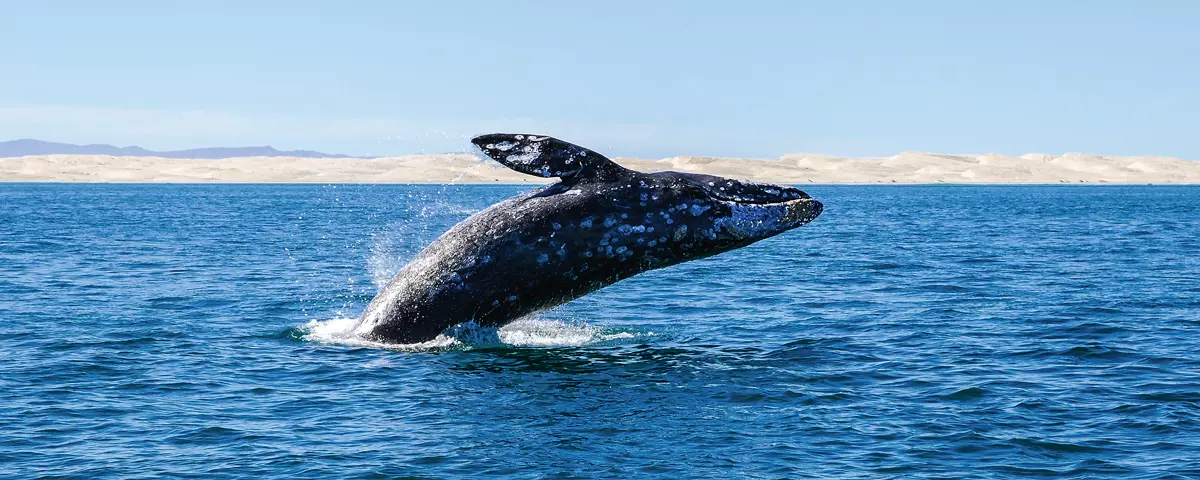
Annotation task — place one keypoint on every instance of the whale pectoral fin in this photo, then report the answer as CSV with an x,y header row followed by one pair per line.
x,y
543,156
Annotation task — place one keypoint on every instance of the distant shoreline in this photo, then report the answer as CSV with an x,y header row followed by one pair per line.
x,y
912,168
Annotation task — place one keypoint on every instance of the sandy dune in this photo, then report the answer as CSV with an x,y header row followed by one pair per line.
x,y
909,167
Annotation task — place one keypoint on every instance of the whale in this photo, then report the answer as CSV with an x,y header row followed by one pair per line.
x,y
598,224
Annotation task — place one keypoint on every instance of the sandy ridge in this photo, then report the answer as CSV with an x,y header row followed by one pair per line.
x,y
908,167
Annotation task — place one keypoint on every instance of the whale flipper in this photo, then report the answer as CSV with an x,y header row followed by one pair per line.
x,y
544,156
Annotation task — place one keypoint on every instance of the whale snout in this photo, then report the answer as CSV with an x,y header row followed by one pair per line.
x,y
802,211
758,210
783,206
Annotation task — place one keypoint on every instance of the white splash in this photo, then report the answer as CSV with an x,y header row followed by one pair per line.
x,y
540,332
340,331
398,242
385,260
526,332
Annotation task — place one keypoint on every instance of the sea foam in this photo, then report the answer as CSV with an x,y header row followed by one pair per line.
x,y
526,332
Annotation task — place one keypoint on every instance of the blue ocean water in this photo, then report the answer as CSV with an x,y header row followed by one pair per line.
x,y
192,331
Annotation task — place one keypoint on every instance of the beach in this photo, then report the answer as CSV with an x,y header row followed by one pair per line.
x,y
903,168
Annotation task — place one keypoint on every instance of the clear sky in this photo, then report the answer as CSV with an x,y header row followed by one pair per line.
x,y
638,78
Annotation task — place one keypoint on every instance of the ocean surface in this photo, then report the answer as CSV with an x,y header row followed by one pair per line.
x,y
198,331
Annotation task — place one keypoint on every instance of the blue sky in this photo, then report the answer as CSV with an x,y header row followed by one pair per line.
x,y
638,78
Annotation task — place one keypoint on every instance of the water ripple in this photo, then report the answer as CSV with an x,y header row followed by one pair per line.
x,y
196,331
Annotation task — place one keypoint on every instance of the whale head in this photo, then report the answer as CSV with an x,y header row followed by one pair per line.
x,y
722,214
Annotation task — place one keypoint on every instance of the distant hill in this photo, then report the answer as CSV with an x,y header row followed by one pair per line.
x,y
23,147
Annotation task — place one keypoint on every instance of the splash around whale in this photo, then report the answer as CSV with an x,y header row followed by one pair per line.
x,y
600,224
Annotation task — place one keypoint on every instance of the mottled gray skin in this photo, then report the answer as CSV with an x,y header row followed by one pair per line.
x,y
602,223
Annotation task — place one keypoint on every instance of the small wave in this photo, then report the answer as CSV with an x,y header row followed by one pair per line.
x,y
526,332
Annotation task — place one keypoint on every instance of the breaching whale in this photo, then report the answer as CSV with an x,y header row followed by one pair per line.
x,y
599,224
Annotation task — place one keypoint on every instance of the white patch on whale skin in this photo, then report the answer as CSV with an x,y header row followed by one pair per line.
x,y
528,154
501,146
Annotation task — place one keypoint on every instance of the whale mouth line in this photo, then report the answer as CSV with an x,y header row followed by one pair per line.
x,y
788,205
760,194
798,207
789,202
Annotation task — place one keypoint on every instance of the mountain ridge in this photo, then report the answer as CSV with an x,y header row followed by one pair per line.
x,y
27,146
